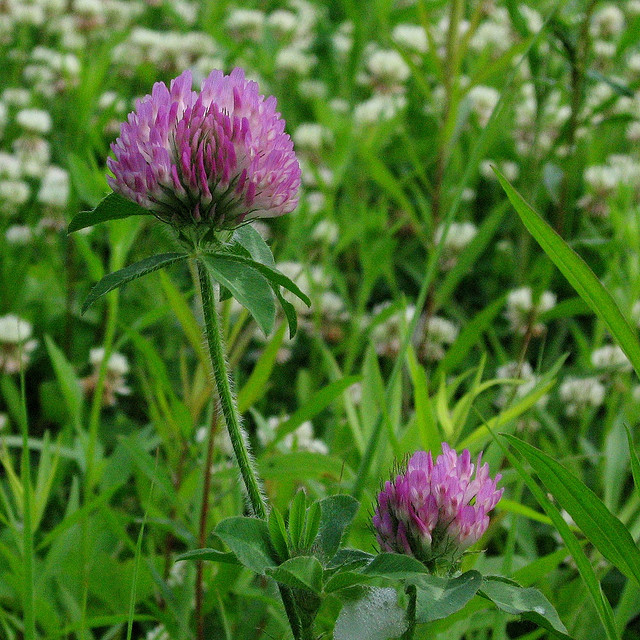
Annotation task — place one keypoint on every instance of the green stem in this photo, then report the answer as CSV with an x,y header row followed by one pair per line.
x,y
227,401
232,420
411,613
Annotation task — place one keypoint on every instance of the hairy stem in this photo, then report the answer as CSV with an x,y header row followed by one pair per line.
x,y
411,613
232,420
227,401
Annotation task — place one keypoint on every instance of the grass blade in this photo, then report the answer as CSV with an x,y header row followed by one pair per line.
x,y
578,273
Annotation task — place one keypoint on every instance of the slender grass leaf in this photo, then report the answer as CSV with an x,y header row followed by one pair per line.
x,y
578,273
132,272
529,603
635,463
468,338
295,522
112,207
301,572
585,569
67,380
185,316
314,405
601,527
249,539
256,386
246,284
470,254
302,465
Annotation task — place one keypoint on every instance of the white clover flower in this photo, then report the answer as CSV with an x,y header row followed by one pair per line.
x,y
15,343
54,188
18,235
532,18
158,633
16,96
458,238
580,393
33,154
14,330
326,231
13,194
438,332
9,166
342,39
114,382
410,36
387,335
309,279
492,34
387,67
34,120
313,89
517,371
607,22
315,201
610,356
483,101
294,60
301,439
604,50
378,108
311,136
282,22
117,364
521,308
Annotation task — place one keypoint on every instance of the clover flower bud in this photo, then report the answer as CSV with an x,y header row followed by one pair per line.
x,y
435,511
216,158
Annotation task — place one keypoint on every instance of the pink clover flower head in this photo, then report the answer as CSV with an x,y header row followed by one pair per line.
x,y
217,158
434,511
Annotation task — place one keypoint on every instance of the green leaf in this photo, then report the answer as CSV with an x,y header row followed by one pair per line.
x,y
336,514
113,207
211,555
253,242
374,616
274,276
256,386
437,598
395,566
132,272
67,380
301,572
312,525
314,405
295,523
248,287
578,273
528,603
278,534
289,312
249,540
302,465
635,463
573,546
601,527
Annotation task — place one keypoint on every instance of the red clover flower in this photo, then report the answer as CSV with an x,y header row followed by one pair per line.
x,y
434,511
215,158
